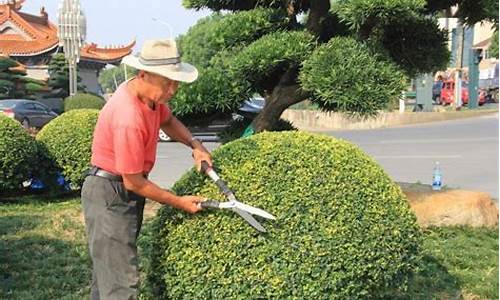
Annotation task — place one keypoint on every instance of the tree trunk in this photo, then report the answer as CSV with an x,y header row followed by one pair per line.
x,y
317,11
286,93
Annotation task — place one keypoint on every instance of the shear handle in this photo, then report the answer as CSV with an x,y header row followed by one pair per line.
x,y
205,167
219,182
209,204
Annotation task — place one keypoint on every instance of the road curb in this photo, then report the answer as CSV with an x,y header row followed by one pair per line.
x,y
317,120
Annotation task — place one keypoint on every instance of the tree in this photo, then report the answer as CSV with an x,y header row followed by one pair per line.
x,y
111,78
469,12
14,83
59,76
494,45
351,56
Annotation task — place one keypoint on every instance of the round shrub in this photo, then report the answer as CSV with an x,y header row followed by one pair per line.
x,y
68,139
344,230
17,151
83,100
344,75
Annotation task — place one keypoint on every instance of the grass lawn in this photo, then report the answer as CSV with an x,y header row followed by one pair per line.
x,y
44,256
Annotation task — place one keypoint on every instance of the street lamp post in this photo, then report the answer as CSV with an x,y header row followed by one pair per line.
x,y
72,29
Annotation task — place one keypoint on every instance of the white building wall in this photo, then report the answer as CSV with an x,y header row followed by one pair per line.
x,y
37,72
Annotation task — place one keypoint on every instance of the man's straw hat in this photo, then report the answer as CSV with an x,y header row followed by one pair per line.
x,y
162,57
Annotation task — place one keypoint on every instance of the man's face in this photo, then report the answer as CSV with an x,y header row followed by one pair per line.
x,y
158,88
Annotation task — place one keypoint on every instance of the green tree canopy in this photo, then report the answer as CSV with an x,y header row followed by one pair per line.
x,y
59,76
494,45
14,83
262,46
111,78
469,12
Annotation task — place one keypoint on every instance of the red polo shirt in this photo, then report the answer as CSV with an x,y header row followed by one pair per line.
x,y
126,134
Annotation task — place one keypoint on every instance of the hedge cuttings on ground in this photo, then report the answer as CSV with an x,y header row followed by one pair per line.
x,y
83,100
17,152
344,230
68,139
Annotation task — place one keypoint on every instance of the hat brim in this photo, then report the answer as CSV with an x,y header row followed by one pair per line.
x,y
179,72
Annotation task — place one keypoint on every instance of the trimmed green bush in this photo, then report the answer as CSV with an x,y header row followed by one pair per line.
x,y
210,45
344,71
272,54
68,139
344,230
414,54
83,100
17,152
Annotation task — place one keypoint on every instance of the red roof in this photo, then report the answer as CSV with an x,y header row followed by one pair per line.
x,y
111,54
39,35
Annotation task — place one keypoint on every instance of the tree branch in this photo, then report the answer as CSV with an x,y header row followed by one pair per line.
x,y
317,12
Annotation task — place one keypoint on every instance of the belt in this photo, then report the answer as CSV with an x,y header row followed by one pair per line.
x,y
96,171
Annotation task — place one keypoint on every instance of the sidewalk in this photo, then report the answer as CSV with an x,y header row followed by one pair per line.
x,y
312,120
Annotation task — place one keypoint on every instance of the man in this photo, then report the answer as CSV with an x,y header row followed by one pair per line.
x,y
123,153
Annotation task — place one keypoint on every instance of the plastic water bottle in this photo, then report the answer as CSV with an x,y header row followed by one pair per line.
x,y
437,179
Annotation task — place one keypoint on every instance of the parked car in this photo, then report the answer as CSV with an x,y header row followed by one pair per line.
x,y
448,93
252,105
29,113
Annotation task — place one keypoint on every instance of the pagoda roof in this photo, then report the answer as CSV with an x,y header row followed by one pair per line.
x,y
106,54
23,34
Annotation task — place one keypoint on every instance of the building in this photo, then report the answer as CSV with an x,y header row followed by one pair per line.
x,y
32,39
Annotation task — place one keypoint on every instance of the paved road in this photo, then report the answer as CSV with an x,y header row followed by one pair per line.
x,y
467,150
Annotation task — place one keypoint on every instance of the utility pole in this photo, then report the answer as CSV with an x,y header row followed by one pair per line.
x,y
459,65
72,29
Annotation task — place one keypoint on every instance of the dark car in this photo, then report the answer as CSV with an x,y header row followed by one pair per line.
x,y
249,109
29,113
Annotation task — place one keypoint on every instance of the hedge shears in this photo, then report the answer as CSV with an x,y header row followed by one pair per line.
x,y
244,210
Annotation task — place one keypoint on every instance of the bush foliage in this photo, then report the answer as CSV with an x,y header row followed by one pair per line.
x,y
263,60
17,154
59,76
344,230
14,83
83,100
68,139
348,65
210,45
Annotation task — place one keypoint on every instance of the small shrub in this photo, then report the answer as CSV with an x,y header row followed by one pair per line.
x,y
344,230
68,139
17,153
80,101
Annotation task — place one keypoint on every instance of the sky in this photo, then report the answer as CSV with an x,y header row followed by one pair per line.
x,y
115,22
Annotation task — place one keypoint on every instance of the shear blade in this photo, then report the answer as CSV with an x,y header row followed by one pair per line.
x,y
249,219
255,211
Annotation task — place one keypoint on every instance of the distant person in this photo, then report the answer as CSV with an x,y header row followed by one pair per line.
x,y
436,89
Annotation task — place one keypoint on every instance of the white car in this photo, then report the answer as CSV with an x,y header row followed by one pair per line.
x,y
163,136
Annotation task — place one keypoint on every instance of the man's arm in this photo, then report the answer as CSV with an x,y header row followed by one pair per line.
x,y
140,185
178,132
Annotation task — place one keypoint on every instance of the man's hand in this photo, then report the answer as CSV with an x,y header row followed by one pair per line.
x,y
200,153
190,204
